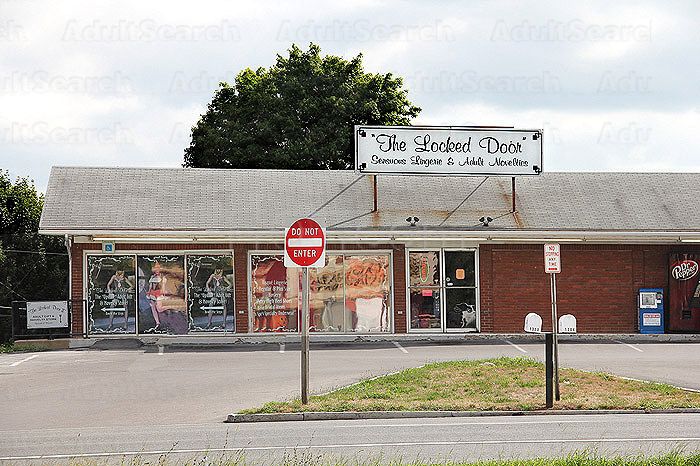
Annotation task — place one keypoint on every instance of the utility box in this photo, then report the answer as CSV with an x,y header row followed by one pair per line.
x,y
651,310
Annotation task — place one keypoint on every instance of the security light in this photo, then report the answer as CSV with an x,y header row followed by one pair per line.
x,y
413,220
485,221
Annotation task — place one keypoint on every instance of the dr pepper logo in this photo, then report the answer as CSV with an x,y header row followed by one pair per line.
x,y
684,270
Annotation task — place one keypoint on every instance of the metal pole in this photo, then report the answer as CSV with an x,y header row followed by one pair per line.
x,y
374,183
549,368
305,336
555,331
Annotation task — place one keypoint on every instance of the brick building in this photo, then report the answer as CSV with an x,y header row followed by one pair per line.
x,y
193,251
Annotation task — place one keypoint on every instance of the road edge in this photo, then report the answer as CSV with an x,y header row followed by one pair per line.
x,y
353,415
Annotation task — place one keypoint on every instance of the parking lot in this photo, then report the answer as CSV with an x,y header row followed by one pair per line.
x,y
152,386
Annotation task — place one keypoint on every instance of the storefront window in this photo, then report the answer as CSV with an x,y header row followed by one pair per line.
x,y
425,308
111,294
424,268
459,268
161,294
442,290
327,296
350,294
275,299
210,293
460,308
367,292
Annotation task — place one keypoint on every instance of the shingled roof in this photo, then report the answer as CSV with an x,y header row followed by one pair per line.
x,y
80,200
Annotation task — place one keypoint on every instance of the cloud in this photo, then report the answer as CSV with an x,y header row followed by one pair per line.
x,y
99,83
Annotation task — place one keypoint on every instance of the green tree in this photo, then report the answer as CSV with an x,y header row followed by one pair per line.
x,y
297,114
32,266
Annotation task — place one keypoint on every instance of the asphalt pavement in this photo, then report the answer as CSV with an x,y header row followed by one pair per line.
x,y
151,399
408,440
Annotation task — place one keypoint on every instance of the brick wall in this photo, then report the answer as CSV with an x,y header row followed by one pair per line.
x,y
240,252
598,285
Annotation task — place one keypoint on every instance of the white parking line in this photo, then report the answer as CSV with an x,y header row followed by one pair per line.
x,y
17,363
495,423
398,345
630,346
516,346
161,350
281,348
350,445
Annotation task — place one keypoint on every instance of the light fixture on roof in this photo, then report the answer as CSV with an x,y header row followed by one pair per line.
x,y
485,221
413,220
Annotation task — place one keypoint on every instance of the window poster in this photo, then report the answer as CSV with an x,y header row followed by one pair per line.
x,y
327,297
161,294
275,299
424,268
210,293
367,292
111,294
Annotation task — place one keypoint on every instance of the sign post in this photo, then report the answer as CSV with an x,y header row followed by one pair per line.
x,y
552,266
305,247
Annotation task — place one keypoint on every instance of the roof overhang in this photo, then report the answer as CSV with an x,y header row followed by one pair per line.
x,y
388,236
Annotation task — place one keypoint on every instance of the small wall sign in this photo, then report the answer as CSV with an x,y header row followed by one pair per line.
x,y
47,314
108,246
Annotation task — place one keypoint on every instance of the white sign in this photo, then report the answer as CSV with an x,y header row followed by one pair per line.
x,y
651,319
552,258
533,323
47,314
454,150
567,324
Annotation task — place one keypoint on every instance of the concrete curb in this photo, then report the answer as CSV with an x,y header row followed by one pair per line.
x,y
224,341
353,415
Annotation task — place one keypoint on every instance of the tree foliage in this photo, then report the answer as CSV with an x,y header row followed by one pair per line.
x,y
32,266
297,114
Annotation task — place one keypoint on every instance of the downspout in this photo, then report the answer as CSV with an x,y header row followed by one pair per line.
x,y
67,240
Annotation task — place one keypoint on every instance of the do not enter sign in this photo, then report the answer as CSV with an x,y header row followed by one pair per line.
x,y
305,244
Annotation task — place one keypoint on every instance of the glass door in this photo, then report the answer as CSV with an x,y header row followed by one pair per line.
x,y
442,290
460,290
424,290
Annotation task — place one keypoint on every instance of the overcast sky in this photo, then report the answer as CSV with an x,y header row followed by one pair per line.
x,y
614,85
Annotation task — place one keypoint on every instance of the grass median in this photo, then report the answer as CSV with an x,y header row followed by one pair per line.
x,y
21,348
502,384
314,459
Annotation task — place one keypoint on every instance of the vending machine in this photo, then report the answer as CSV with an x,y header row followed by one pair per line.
x,y
651,310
